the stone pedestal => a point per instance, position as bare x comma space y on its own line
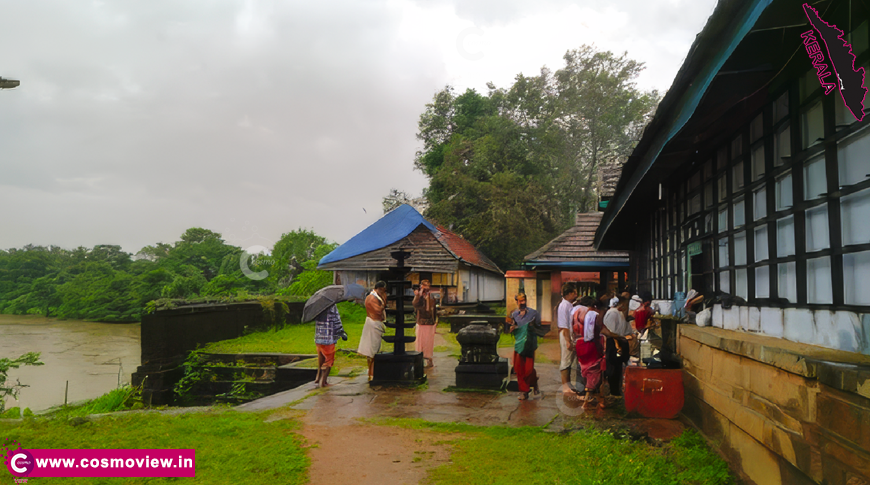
480, 367
399, 370
482, 376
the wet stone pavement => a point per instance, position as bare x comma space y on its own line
350, 399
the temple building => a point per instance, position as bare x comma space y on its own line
753, 181
458, 271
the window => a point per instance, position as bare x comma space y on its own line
855, 218
741, 285
723, 219
758, 162
737, 178
784, 192
723, 252
723, 188
858, 38
809, 84
708, 170
761, 252
815, 180
785, 237
812, 124
856, 278
725, 281
739, 213
853, 158
695, 204
708, 223
787, 282
708, 195
781, 145
695, 181
817, 228
756, 128
819, 281
780, 107
759, 203
736, 147
762, 282
721, 158
843, 117
740, 248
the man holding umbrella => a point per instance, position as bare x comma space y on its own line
327, 330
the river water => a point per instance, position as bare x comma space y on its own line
89, 355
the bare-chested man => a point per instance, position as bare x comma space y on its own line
373, 330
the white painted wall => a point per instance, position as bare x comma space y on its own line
840, 330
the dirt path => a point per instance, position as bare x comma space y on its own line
363, 454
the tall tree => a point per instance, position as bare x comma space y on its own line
509, 169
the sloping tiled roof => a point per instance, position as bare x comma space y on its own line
464, 250
404, 227
575, 245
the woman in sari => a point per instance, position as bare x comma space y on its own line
590, 351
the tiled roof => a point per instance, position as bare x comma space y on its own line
404, 227
464, 250
575, 244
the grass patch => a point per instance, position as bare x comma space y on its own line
121, 399
231, 447
294, 338
503, 455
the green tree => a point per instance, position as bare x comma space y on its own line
290, 252
508, 170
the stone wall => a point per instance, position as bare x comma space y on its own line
169, 335
782, 412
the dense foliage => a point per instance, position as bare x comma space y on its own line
107, 284
509, 170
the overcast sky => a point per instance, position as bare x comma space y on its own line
137, 120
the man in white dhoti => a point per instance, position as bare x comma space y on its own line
373, 330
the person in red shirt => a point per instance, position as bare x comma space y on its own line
643, 314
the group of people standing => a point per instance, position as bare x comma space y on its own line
593, 332
328, 328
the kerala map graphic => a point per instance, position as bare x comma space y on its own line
849, 80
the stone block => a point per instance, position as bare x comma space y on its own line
699, 356
731, 318
718, 321
760, 464
788, 391
847, 332
839, 461
730, 369
845, 419
799, 325
773, 413
771, 322
754, 322
779, 441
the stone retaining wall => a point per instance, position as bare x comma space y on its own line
782, 412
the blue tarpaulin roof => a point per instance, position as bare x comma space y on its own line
395, 225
